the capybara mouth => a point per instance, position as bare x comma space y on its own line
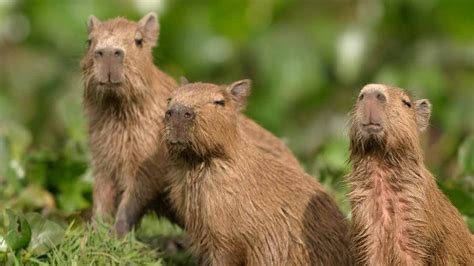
179, 148
110, 84
179, 143
372, 128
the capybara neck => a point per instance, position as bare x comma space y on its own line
196, 154
399, 162
405, 153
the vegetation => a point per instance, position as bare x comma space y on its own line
308, 60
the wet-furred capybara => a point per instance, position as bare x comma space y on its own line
399, 216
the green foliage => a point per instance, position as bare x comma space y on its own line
17, 231
307, 59
31, 239
85, 246
27, 236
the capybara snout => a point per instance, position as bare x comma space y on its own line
371, 104
109, 65
179, 120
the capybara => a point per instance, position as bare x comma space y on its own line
399, 216
125, 101
241, 205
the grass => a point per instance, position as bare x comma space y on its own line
84, 245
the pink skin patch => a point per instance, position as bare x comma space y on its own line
386, 209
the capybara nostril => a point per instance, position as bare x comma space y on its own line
361, 96
109, 53
118, 53
168, 114
99, 53
182, 112
189, 115
381, 97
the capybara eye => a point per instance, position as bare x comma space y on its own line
407, 103
139, 42
219, 102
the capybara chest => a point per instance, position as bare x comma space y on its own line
124, 148
386, 214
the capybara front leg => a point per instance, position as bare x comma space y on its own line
104, 198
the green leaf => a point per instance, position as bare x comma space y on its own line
46, 234
18, 231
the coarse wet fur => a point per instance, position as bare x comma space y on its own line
241, 205
399, 216
123, 111
125, 101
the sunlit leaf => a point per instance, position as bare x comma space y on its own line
45, 234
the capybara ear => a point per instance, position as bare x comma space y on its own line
240, 91
92, 23
148, 25
423, 113
183, 81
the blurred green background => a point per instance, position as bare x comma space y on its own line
308, 60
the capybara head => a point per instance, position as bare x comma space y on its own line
201, 119
119, 51
386, 118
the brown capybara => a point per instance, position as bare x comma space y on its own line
241, 205
399, 215
125, 101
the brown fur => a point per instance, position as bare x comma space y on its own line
125, 123
243, 206
399, 215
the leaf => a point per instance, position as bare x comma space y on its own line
18, 231
46, 234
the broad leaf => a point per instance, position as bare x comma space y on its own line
18, 231
45, 234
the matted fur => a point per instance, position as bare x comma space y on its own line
241, 205
399, 216
125, 123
